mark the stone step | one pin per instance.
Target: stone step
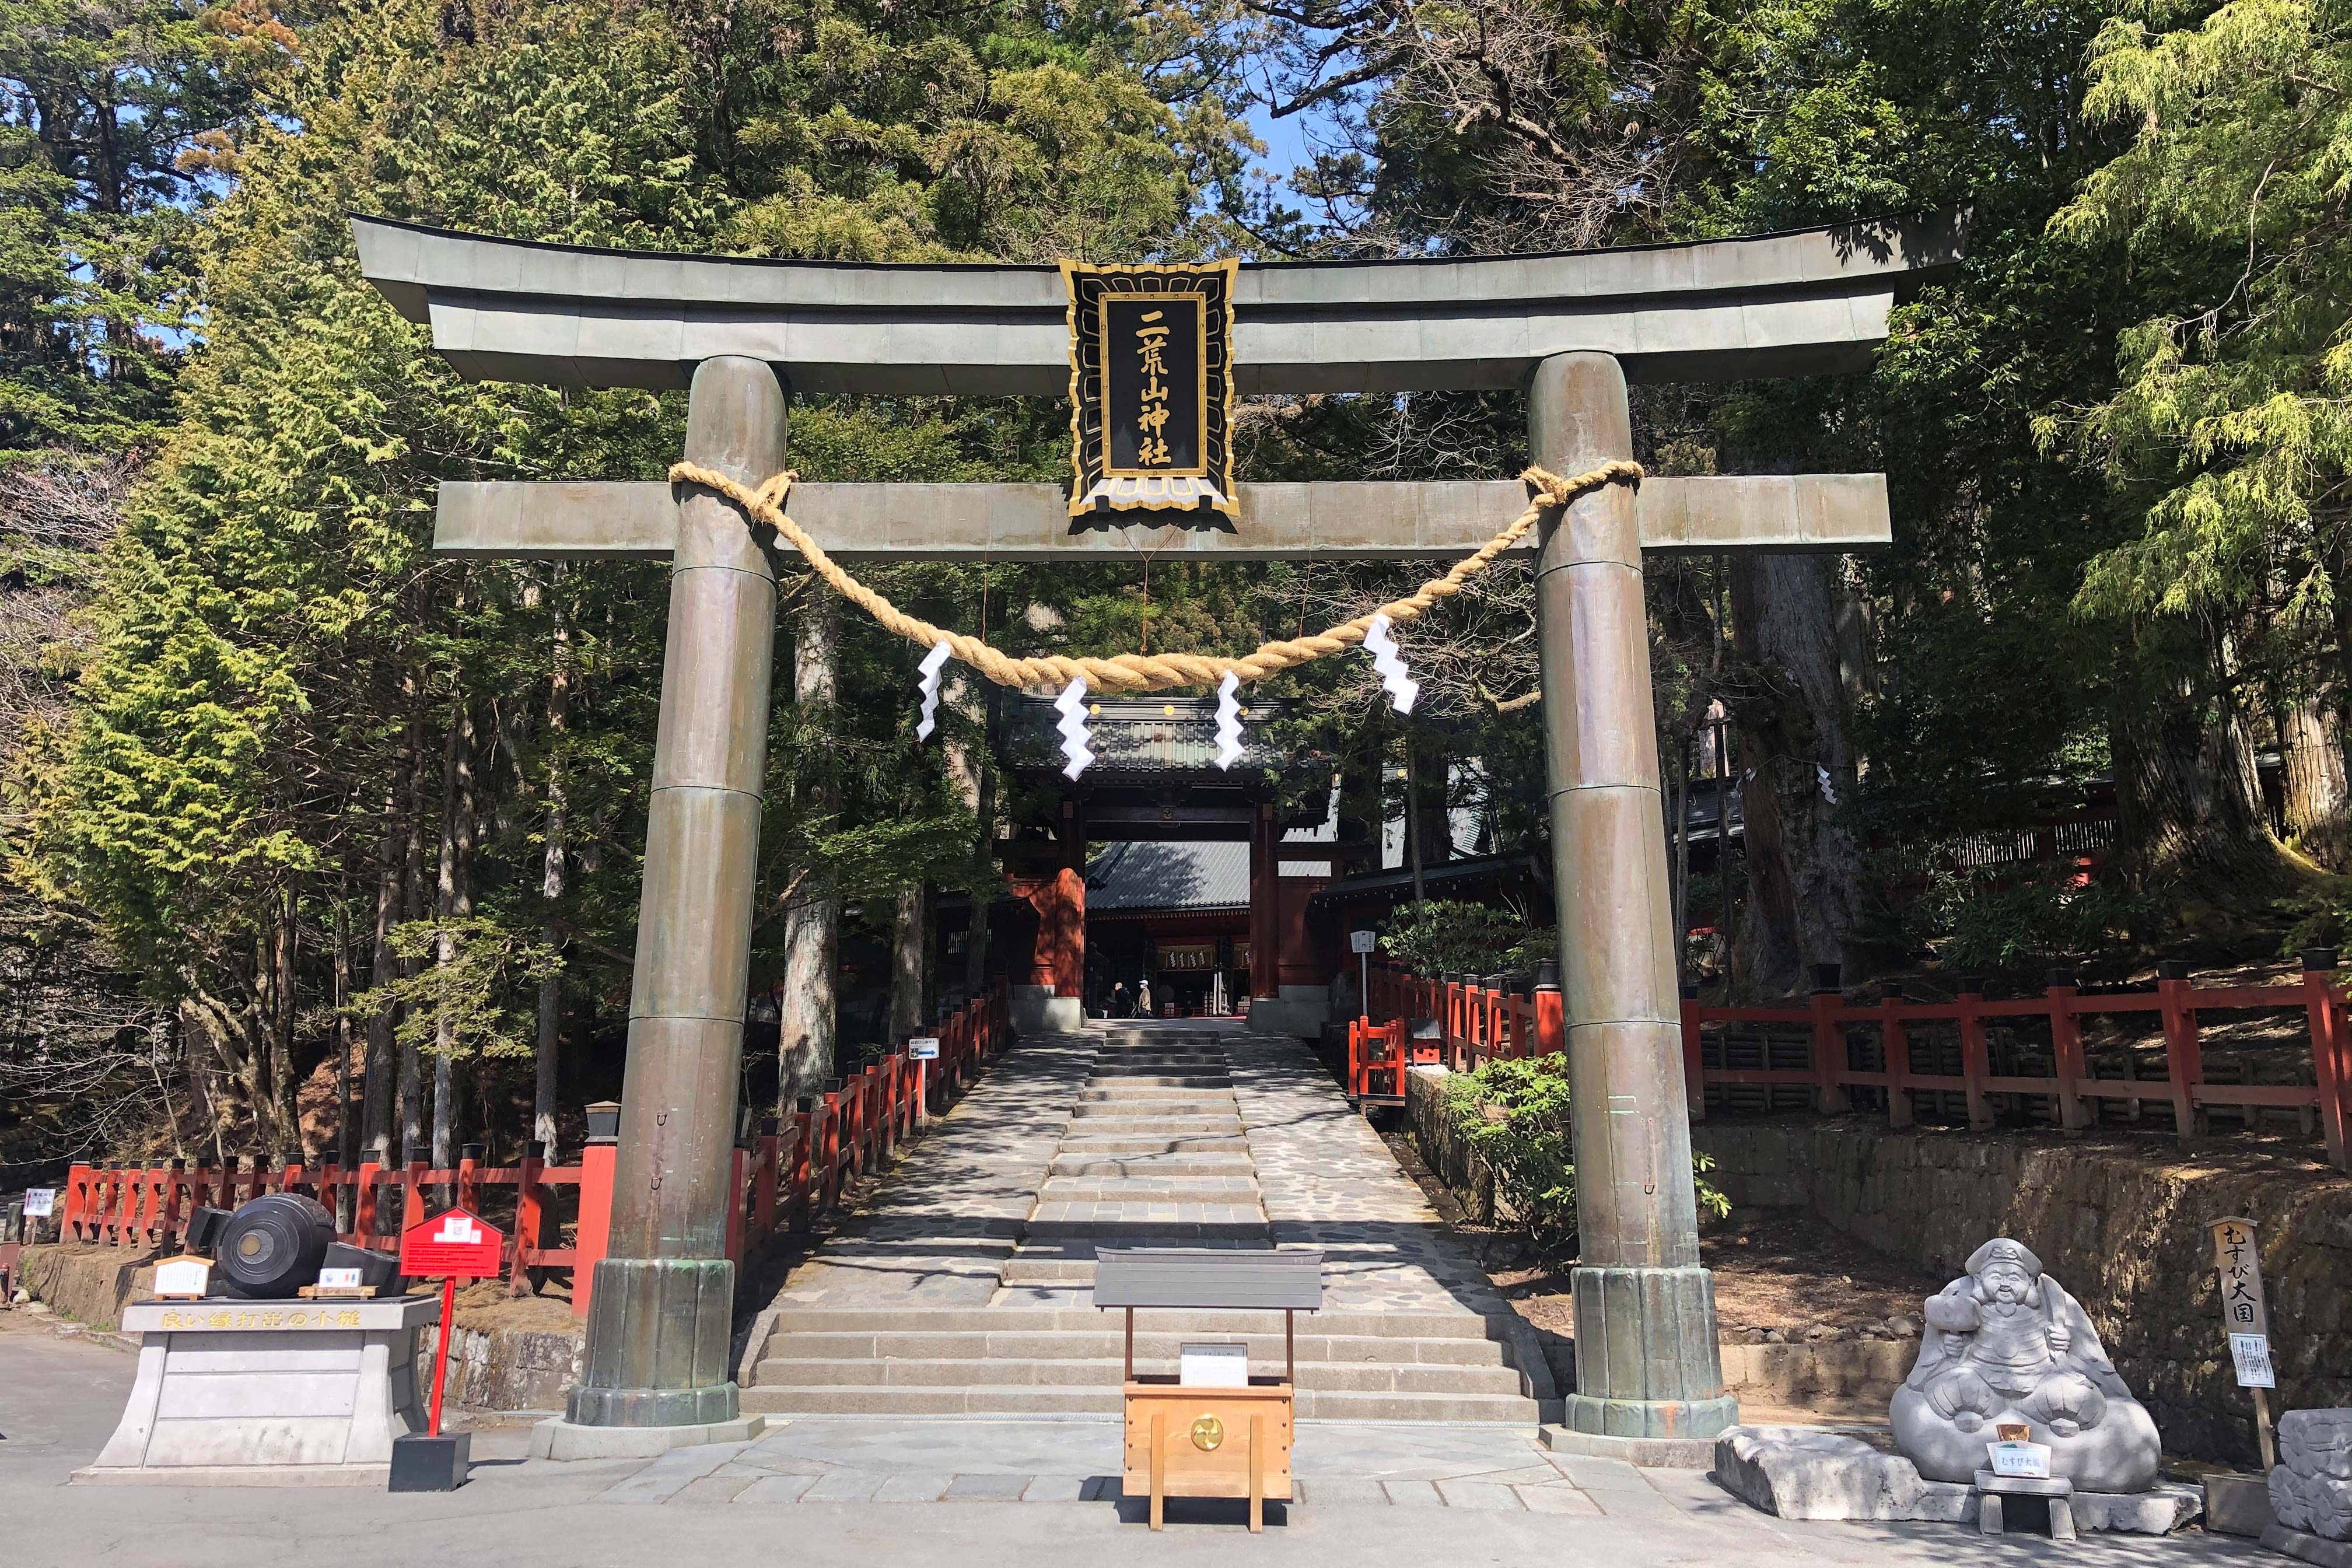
(1017, 1399)
(1152, 1347)
(1155, 1126)
(1236, 1224)
(1161, 1189)
(1108, 1372)
(1142, 1079)
(1092, 1144)
(1119, 1089)
(1209, 1103)
(1091, 1320)
(1132, 1166)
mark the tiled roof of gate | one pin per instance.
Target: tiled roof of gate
(1168, 876)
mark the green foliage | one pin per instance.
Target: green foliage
(2031, 921)
(473, 994)
(1514, 1114)
(1445, 935)
(106, 111)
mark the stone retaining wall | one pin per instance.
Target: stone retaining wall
(2122, 1223)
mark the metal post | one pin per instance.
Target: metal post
(1646, 1362)
(661, 1311)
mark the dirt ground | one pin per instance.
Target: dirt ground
(1775, 1270)
(1779, 1274)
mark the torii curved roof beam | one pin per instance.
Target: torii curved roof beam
(1811, 302)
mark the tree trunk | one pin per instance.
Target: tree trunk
(1416, 825)
(805, 1019)
(453, 901)
(413, 908)
(2188, 801)
(975, 941)
(291, 1143)
(552, 878)
(909, 944)
(346, 1128)
(1805, 867)
(2315, 769)
(377, 1091)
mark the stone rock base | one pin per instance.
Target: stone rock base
(1802, 1472)
(2309, 1547)
(1650, 1453)
(561, 1440)
(2238, 1505)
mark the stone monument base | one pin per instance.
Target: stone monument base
(557, 1438)
(1035, 1010)
(267, 1393)
(1804, 1472)
(2311, 1548)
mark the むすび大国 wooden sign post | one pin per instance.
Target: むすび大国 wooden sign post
(1567, 330)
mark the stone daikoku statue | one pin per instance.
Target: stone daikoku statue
(2005, 1345)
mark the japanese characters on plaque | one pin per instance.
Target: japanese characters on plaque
(2238, 1268)
(1152, 396)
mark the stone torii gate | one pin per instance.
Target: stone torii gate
(1569, 329)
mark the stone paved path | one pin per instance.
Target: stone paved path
(1334, 1465)
(965, 1285)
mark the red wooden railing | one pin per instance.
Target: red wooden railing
(787, 1176)
(1472, 1025)
(1476, 1024)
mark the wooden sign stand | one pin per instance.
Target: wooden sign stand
(1210, 1442)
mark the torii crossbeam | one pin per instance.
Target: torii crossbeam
(1568, 329)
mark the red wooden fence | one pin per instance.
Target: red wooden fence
(786, 1177)
(1476, 1024)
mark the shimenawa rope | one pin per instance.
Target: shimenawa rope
(1135, 671)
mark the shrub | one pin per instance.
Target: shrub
(1514, 1114)
(1445, 935)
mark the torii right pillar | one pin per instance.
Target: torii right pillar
(1648, 1375)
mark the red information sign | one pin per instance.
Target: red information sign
(456, 1244)
(452, 1244)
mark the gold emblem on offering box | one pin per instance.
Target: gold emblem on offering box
(1151, 397)
(1207, 1433)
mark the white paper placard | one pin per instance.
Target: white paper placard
(2252, 1354)
(2029, 1462)
(40, 1203)
(923, 1049)
(1363, 941)
(339, 1279)
(182, 1277)
(1214, 1367)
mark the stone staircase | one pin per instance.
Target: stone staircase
(1158, 1143)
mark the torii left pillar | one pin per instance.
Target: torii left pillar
(663, 1308)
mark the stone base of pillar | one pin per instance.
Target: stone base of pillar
(1300, 1010)
(1649, 1453)
(1647, 1362)
(656, 1352)
(561, 1439)
(1035, 1010)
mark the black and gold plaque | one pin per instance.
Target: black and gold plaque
(1151, 394)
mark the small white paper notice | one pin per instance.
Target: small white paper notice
(339, 1278)
(1214, 1367)
(182, 1277)
(2027, 1460)
(40, 1203)
(2252, 1354)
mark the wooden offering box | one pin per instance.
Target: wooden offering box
(1209, 1441)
